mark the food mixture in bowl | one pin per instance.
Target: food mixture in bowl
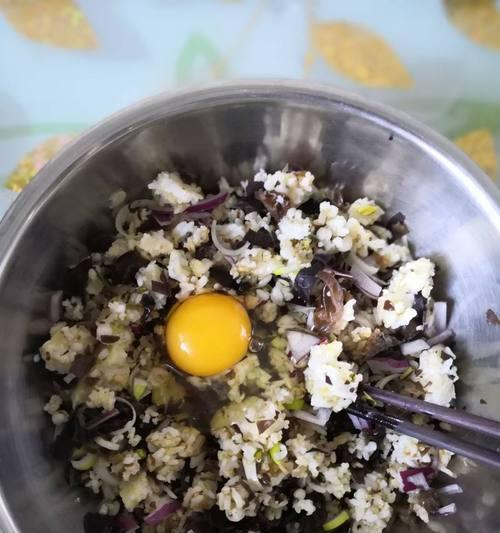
(205, 358)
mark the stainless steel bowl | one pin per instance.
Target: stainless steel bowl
(451, 206)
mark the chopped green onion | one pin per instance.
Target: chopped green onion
(278, 452)
(280, 271)
(371, 400)
(367, 210)
(406, 373)
(78, 453)
(85, 463)
(296, 404)
(140, 453)
(279, 343)
(139, 388)
(258, 455)
(336, 522)
(366, 396)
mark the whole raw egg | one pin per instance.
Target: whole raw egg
(207, 333)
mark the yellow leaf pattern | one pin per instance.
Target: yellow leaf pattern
(478, 19)
(32, 162)
(55, 22)
(479, 145)
(359, 54)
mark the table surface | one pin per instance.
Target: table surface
(66, 64)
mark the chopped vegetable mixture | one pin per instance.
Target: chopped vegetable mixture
(335, 300)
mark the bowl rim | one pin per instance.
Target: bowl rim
(37, 193)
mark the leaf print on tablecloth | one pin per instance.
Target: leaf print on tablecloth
(58, 23)
(479, 145)
(198, 54)
(41, 128)
(478, 19)
(32, 162)
(360, 54)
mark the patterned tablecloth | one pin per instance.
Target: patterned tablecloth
(65, 64)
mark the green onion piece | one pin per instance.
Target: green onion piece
(368, 397)
(274, 451)
(371, 400)
(277, 453)
(85, 463)
(78, 453)
(139, 388)
(258, 456)
(140, 453)
(296, 404)
(367, 210)
(336, 522)
(406, 373)
(280, 271)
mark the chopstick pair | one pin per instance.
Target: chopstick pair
(430, 436)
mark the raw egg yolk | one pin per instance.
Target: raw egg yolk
(207, 334)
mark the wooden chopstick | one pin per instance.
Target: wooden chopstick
(429, 436)
(452, 416)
